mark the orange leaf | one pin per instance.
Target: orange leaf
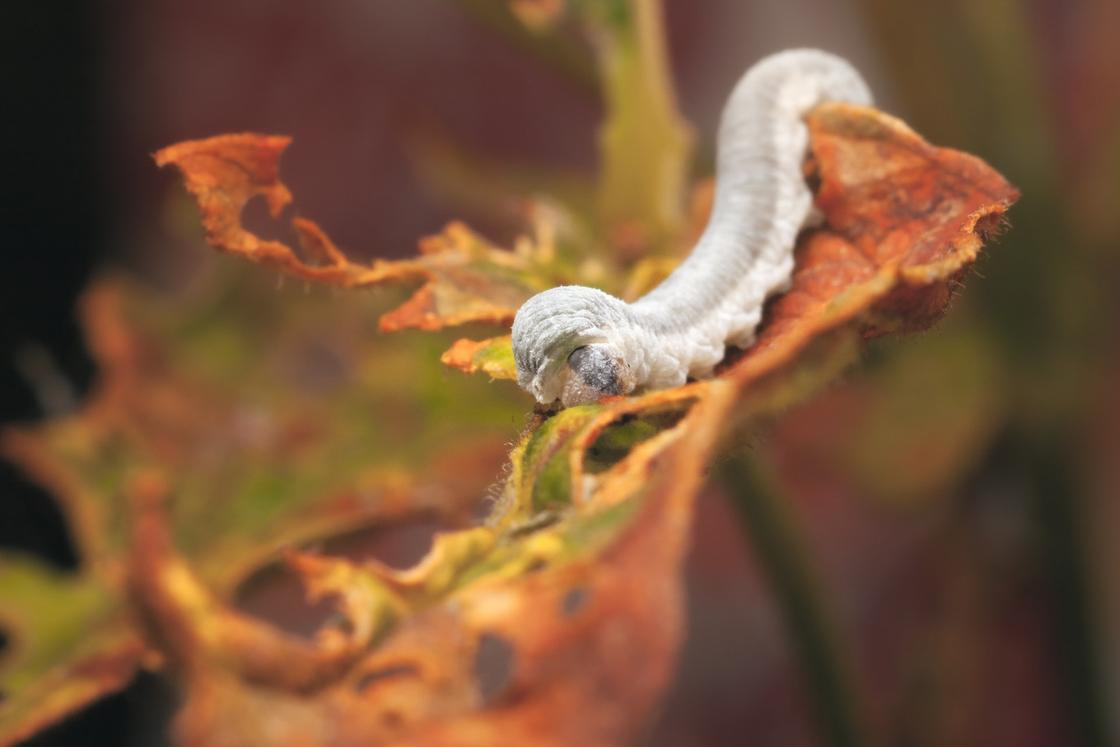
(568, 600)
(506, 656)
(194, 394)
(903, 221)
(224, 173)
(464, 278)
(493, 356)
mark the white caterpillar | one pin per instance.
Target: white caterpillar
(577, 344)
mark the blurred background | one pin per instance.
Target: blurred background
(954, 503)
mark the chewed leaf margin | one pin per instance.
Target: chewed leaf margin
(590, 533)
(463, 277)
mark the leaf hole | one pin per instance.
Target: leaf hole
(620, 437)
(494, 661)
(574, 601)
(275, 593)
(369, 679)
(399, 545)
(255, 219)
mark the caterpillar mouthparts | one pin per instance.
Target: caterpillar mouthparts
(578, 344)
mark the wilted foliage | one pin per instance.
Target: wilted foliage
(233, 426)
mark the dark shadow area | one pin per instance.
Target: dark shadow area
(138, 716)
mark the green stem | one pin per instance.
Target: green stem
(777, 544)
(645, 143)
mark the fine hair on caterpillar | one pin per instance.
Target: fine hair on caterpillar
(577, 344)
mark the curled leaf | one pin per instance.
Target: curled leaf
(224, 173)
(903, 221)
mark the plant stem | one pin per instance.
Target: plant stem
(646, 145)
(778, 547)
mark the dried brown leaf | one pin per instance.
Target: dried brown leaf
(557, 622)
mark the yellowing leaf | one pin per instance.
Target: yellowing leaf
(68, 644)
(500, 654)
(264, 409)
(493, 357)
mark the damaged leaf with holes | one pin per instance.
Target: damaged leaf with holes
(256, 405)
(235, 427)
(492, 632)
(463, 277)
(600, 495)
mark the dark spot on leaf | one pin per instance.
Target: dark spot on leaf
(493, 666)
(387, 673)
(574, 601)
(392, 719)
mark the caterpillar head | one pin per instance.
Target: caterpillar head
(565, 346)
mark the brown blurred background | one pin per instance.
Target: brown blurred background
(993, 573)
